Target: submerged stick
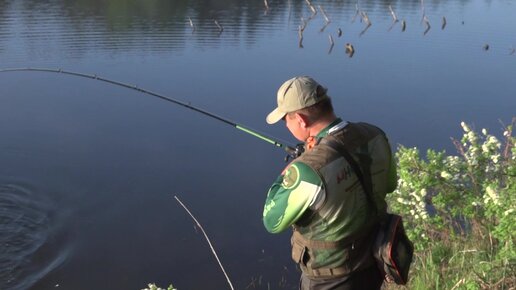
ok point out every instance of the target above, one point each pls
(444, 23)
(191, 24)
(393, 14)
(207, 239)
(266, 6)
(324, 15)
(423, 13)
(356, 13)
(300, 33)
(332, 43)
(312, 8)
(427, 22)
(219, 26)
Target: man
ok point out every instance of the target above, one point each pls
(321, 194)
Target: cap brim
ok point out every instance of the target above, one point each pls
(275, 116)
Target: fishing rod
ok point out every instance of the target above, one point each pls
(292, 151)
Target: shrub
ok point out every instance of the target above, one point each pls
(460, 212)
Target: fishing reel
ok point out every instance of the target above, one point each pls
(294, 153)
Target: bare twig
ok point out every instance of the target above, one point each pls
(403, 25)
(219, 26)
(356, 13)
(300, 33)
(332, 43)
(427, 22)
(191, 24)
(423, 13)
(326, 19)
(324, 26)
(365, 18)
(208, 240)
(393, 14)
(266, 3)
(444, 23)
(303, 24)
(312, 8)
(365, 29)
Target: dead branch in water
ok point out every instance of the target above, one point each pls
(393, 14)
(219, 26)
(208, 240)
(326, 18)
(266, 3)
(191, 24)
(300, 34)
(312, 8)
(332, 43)
(427, 22)
(356, 13)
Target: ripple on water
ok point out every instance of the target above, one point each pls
(25, 226)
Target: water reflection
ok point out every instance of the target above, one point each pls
(162, 26)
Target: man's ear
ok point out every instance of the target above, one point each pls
(303, 120)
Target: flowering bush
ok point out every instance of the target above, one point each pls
(153, 286)
(460, 211)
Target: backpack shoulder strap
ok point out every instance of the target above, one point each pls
(365, 181)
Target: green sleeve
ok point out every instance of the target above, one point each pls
(289, 196)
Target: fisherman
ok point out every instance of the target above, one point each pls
(322, 197)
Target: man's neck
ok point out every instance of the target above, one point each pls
(321, 124)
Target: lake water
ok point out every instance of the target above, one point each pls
(89, 171)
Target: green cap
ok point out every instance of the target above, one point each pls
(296, 94)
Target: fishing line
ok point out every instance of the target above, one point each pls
(293, 151)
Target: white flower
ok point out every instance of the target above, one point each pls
(507, 212)
(464, 127)
(485, 148)
(495, 158)
(412, 212)
(484, 131)
(445, 175)
(491, 195)
(472, 137)
(506, 133)
(417, 197)
(492, 140)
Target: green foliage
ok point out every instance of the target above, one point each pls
(153, 286)
(460, 212)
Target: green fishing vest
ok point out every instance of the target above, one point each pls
(334, 237)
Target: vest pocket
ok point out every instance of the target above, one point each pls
(298, 252)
